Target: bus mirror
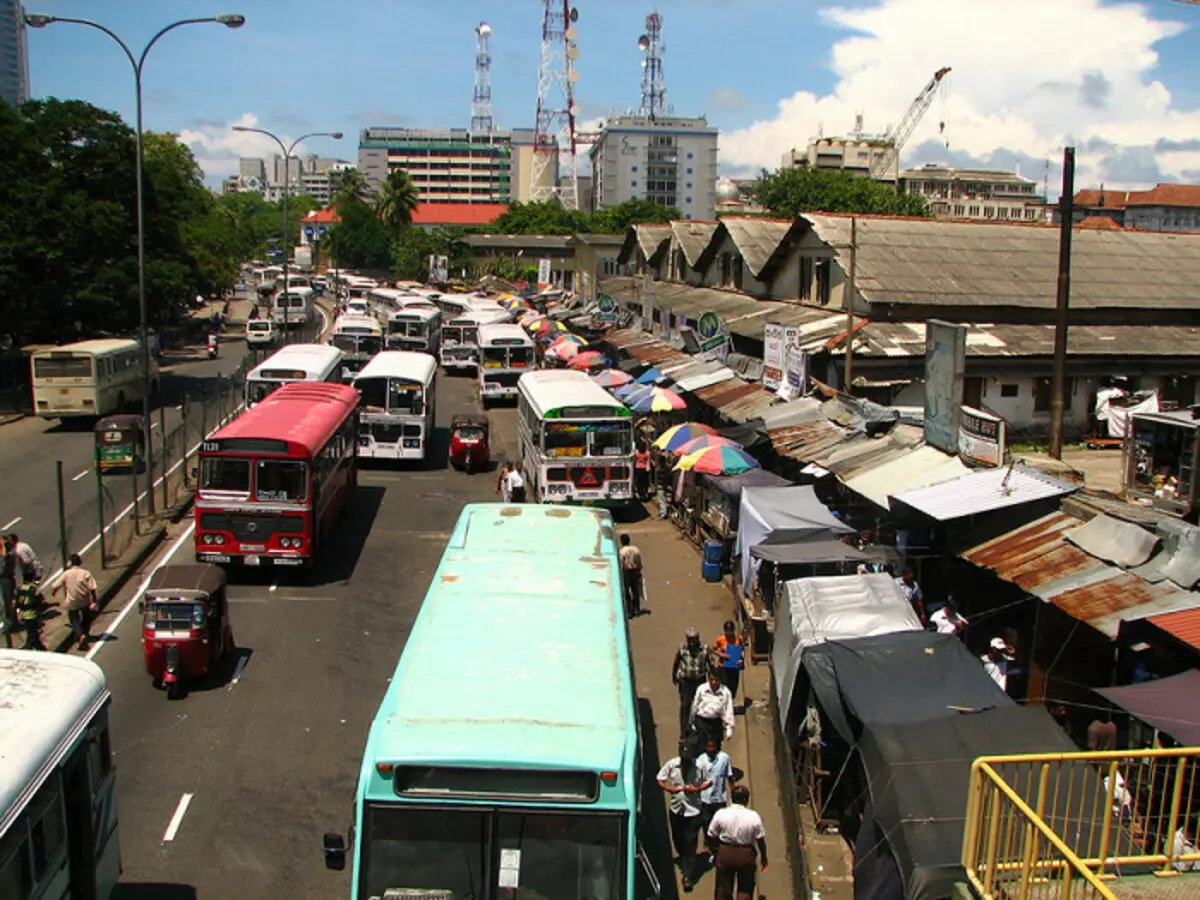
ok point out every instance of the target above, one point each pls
(646, 884)
(334, 846)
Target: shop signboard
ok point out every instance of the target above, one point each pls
(776, 341)
(438, 268)
(710, 331)
(945, 363)
(794, 382)
(543, 273)
(981, 437)
(606, 309)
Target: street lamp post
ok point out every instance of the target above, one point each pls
(37, 20)
(287, 189)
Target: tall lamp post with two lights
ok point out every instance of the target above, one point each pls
(287, 190)
(37, 20)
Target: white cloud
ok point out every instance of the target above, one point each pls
(1028, 76)
(217, 147)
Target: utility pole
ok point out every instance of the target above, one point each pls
(1058, 383)
(848, 300)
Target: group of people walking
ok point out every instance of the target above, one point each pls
(701, 782)
(510, 483)
(21, 577)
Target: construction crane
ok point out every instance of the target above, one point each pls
(896, 138)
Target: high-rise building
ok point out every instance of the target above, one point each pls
(14, 53)
(669, 160)
(453, 165)
(313, 175)
(855, 154)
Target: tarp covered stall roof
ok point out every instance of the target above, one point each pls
(837, 607)
(916, 468)
(781, 515)
(1115, 541)
(812, 551)
(919, 774)
(1168, 704)
(733, 484)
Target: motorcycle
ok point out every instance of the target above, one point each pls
(212, 346)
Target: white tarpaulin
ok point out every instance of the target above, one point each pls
(780, 515)
(814, 610)
(1118, 416)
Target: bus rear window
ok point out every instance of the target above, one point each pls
(276, 480)
(69, 367)
(223, 473)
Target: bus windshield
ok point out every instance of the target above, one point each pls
(412, 329)
(358, 343)
(506, 357)
(223, 473)
(62, 367)
(391, 395)
(281, 479)
(588, 438)
(445, 852)
(460, 334)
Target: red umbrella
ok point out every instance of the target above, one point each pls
(589, 358)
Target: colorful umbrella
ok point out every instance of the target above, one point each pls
(612, 378)
(531, 320)
(704, 442)
(550, 327)
(564, 349)
(718, 461)
(629, 390)
(569, 339)
(678, 435)
(656, 400)
(589, 358)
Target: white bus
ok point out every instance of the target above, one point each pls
(505, 354)
(89, 378)
(293, 307)
(417, 328)
(396, 412)
(576, 440)
(295, 362)
(359, 337)
(58, 800)
(460, 337)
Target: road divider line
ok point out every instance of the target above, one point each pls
(237, 673)
(177, 819)
(81, 474)
(9, 525)
(109, 632)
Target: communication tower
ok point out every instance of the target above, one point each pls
(554, 131)
(654, 90)
(481, 105)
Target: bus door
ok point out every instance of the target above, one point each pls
(81, 833)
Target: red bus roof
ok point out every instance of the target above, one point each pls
(305, 414)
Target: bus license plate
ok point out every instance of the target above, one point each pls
(252, 560)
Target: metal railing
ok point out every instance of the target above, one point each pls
(1071, 825)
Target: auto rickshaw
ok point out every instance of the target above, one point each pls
(185, 625)
(469, 443)
(119, 443)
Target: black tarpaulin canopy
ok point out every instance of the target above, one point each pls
(817, 550)
(1168, 704)
(732, 485)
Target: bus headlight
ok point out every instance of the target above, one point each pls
(207, 539)
(218, 539)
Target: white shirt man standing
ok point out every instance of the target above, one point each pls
(712, 710)
(684, 778)
(733, 835)
(515, 480)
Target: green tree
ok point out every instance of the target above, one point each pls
(791, 192)
(360, 240)
(397, 200)
(548, 217)
(352, 185)
(616, 219)
(412, 248)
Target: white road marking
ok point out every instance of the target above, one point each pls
(101, 642)
(247, 599)
(177, 819)
(273, 588)
(81, 474)
(10, 524)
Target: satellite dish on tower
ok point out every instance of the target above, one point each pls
(574, 14)
(573, 76)
(484, 29)
(572, 52)
(643, 43)
(574, 110)
(572, 33)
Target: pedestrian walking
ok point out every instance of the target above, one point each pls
(998, 661)
(516, 484)
(733, 835)
(631, 576)
(502, 482)
(30, 605)
(78, 588)
(907, 582)
(641, 472)
(662, 483)
(720, 771)
(8, 588)
(684, 778)
(29, 567)
(729, 650)
(688, 671)
(712, 710)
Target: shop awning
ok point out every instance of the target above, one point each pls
(1168, 704)
(781, 515)
(980, 492)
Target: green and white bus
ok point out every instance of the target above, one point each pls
(505, 759)
(89, 379)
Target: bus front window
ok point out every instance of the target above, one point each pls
(281, 480)
(493, 357)
(565, 439)
(222, 473)
(371, 344)
(345, 342)
(405, 397)
(60, 367)
(611, 439)
(258, 391)
(520, 357)
(423, 852)
(561, 857)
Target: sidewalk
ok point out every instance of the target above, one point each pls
(678, 598)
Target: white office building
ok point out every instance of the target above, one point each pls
(976, 194)
(312, 174)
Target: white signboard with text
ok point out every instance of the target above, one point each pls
(776, 341)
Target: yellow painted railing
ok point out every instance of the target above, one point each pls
(1068, 825)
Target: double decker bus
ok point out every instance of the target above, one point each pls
(534, 782)
(576, 440)
(396, 412)
(89, 378)
(58, 787)
(273, 480)
(416, 327)
(295, 362)
(359, 337)
(460, 336)
(505, 354)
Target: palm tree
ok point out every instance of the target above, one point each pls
(352, 185)
(397, 200)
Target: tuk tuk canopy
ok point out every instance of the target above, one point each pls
(187, 580)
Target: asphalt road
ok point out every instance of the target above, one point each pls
(269, 752)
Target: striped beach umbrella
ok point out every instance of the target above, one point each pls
(718, 461)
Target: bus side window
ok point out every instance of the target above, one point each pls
(16, 875)
(99, 755)
(48, 829)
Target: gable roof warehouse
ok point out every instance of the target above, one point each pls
(650, 239)
(693, 237)
(760, 241)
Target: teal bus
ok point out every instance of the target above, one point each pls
(504, 762)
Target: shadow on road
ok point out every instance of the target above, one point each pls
(652, 826)
(147, 890)
(341, 550)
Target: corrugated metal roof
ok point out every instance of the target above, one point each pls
(984, 491)
(1184, 625)
(692, 237)
(756, 238)
(718, 395)
(702, 374)
(929, 262)
(921, 466)
(652, 239)
(750, 406)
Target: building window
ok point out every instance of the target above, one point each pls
(973, 211)
(1031, 213)
(989, 212)
(1002, 213)
(823, 286)
(806, 277)
(633, 168)
(633, 184)
(1010, 390)
(689, 184)
(689, 156)
(959, 209)
(689, 171)
(688, 200)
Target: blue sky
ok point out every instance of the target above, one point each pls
(1117, 79)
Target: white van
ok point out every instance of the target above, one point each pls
(260, 333)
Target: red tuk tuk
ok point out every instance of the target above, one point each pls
(469, 443)
(185, 624)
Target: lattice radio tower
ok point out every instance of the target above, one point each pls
(481, 104)
(554, 137)
(654, 89)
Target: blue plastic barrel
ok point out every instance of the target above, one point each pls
(713, 551)
(711, 571)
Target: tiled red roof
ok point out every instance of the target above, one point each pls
(1184, 625)
(1185, 195)
(1092, 199)
(323, 216)
(458, 213)
(1104, 223)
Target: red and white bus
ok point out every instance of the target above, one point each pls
(273, 480)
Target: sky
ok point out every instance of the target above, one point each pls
(1117, 80)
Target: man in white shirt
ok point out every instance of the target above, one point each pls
(947, 620)
(515, 482)
(720, 769)
(733, 834)
(684, 778)
(712, 710)
(996, 661)
(907, 582)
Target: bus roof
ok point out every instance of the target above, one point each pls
(48, 700)
(93, 347)
(400, 364)
(309, 357)
(424, 310)
(551, 389)
(357, 320)
(503, 331)
(520, 655)
(480, 317)
(306, 414)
